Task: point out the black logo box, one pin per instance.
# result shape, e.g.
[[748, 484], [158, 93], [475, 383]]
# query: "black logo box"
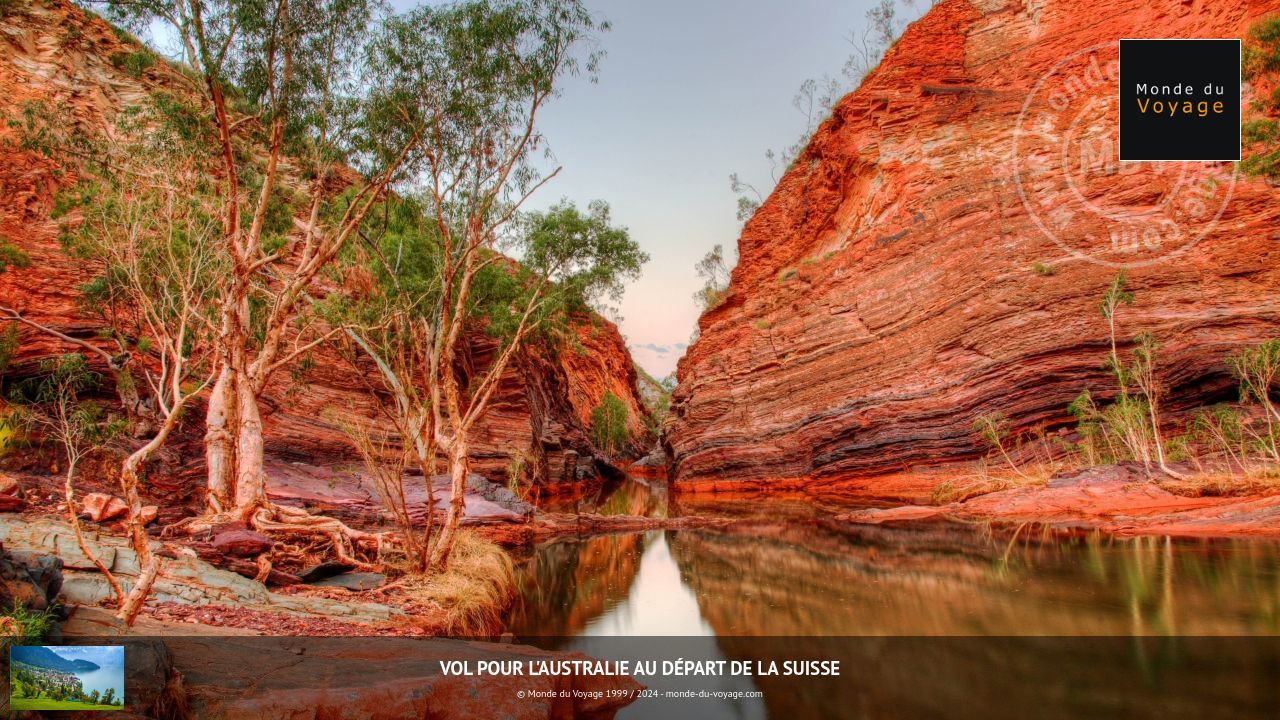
[[1185, 64]]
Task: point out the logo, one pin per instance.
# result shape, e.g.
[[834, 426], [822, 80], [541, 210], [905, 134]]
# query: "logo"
[[1078, 192], [1180, 100]]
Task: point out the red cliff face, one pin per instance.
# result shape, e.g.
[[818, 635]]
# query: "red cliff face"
[[924, 261], [53, 52]]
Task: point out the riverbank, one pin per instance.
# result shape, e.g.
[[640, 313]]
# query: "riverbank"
[[474, 597], [1117, 499]]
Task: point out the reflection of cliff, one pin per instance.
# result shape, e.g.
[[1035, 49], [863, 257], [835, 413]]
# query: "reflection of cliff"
[[628, 496], [1050, 678], [567, 584], [814, 582]]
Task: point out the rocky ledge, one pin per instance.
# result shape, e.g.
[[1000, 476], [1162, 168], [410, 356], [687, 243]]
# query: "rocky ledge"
[[1120, 500]]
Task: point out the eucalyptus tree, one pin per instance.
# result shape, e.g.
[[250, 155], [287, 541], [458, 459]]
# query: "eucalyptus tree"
[[144, 227], [478, 74], [56, 402], [283, 84], [441, 101], [569, 260], [152, 239]]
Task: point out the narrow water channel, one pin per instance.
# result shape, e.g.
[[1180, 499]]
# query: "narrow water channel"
[[785, 576]]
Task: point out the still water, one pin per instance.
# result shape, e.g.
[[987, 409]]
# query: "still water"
[[763, 587], [786, 574], [102, 679]]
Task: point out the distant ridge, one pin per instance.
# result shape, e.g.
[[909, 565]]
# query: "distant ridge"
[[43, 657]]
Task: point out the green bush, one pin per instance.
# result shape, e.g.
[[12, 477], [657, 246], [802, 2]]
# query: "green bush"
[[609, 424], [12, 256], [134, 63]]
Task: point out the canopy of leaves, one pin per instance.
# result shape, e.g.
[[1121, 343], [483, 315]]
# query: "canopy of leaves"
[[569, 257]]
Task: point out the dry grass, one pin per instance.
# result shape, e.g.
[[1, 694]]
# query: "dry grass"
[[470, 597], [984, 481], [1258, 480]]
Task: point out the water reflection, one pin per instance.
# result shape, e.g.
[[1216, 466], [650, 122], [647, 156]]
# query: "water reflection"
[[792, 575], [788, 582], [896, 583], [628, 496]]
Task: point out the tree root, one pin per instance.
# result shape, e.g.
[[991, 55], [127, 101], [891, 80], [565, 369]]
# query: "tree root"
[[271, 518], [345, 539]]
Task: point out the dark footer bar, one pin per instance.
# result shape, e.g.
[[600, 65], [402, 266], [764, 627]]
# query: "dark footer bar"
[[669, 678]]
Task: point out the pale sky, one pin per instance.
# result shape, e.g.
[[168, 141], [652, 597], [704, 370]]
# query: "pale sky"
[[689, 92]]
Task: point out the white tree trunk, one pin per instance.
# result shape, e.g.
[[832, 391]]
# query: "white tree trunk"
[[251, 479], [220, 442], [459, 468]]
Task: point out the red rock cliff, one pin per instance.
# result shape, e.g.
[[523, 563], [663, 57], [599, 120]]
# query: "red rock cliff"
[[924, 261], [54, 52]]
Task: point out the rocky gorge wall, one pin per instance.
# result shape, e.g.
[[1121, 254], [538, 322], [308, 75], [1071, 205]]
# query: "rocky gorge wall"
[[939, 249], [56, 53]]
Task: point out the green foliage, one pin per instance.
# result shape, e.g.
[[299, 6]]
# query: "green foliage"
[[656, 395], [29, 624], [1129, 427], [1115, 296], [183, 121], [1262, 57], [1221, 428], [1262, 49], [8, 346], [1260, 130], [12, 256], [1044, 269], [134, 63], [609, 424], [714, 272], [68, 374], [993, 427], [56, 399], [571, 260], [1257, 369]]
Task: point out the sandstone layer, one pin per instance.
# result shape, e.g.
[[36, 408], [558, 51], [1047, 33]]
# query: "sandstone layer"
[[56, 54], [939, 249]]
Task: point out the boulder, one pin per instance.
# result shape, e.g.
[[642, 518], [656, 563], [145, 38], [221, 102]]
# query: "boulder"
[[29, 579], [8, 485], [149, 514], [242, 543], [354, 581], [499, 495], [101, 507], [316, 573], [11, 503]]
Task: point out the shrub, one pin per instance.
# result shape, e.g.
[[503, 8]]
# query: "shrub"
[[1043, 269], [133, 64], [12, 256], [25, 623], [994, 429], [609, 424], [1258, 369]]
